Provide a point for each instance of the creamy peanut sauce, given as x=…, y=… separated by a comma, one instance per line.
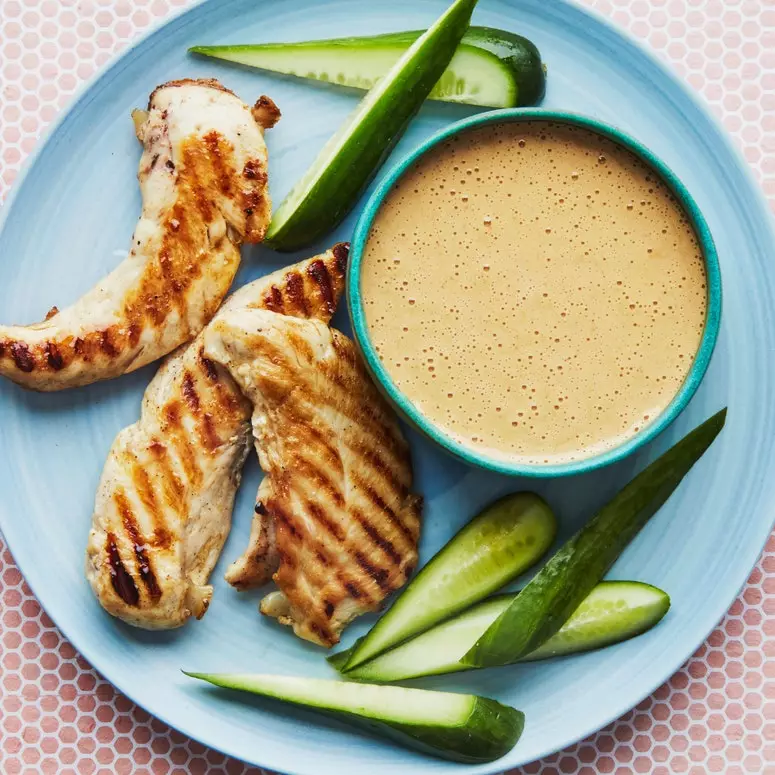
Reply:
x=535, y=290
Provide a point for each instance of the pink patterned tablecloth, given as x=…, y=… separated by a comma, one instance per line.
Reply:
x=717, y=714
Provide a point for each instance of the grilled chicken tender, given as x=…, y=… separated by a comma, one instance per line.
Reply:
x=164, y=502
x=203, y=183
x=337, y=525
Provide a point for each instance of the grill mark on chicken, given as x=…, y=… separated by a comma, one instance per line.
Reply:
x=387, y=436
x=193, y=404
x=106, y=343
x=337, y=542
x=300, y=347
x=53, y=357
x=274, y=300
x=138, y=543
x=184, y=450
x=143, y=487
x=163, y=286
x=318, y=514
x=285, y=520
x=210, y=369
x=161, y=538
x=295, y=293
x=376, y=500
x=253, y=171
x=377, y=538
x=207, y=433
x=318, y=272
x=222, y=172
x=319, y=575
x=229, y=399
x=392, y=474
x=186, y=263
x=173, y=488
x=346, y=531
x=319, y=478
x=252, y=200
x=321, y=483
x=22, y=357
x=341, y=253
x=189, y=392
x=320, y=444
x=375, y=572
x=135, y=333
x=121, y=580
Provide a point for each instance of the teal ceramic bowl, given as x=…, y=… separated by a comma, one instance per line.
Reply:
x=417, y=418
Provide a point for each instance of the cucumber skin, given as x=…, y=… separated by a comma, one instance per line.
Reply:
x=523, y=516
x=522, y=57
x=517, y=54
x=554, y=647
x=550, y=598
x=490, y=731
x=339, y=186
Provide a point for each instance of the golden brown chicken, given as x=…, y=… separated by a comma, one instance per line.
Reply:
x=163, y=507
x=336, y=523
x=203, y=181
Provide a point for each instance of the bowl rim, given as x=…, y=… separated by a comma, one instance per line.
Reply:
x=417, y=418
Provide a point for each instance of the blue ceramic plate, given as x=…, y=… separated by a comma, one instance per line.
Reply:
x=70, y=220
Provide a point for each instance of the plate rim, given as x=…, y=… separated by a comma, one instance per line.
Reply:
x=765, y=217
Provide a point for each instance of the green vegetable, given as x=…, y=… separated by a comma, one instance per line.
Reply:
x=502, y=542
x=461, y=727
x=614, y=611
x=547, y=602
x=491, y=68
x=351, y=158
x=519, y=54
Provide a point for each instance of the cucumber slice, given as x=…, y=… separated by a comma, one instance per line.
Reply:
x=491, y=68
x=547, y=602
x=498, y=545
x=351, y=158
x=519, y=54
x=614, y=611
x=460, y=727
x=473, y=77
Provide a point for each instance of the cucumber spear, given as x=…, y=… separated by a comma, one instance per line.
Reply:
x=499, y=544
x=461, y=727
x=351, y=158
x=547, y=602
x=614, y=611
x=491, y=68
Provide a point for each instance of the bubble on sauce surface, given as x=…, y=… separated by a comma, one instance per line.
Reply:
x=584, y=341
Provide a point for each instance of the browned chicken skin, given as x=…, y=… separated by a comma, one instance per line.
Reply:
x=336, y=523
x=204, y=185
x=163, y=507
